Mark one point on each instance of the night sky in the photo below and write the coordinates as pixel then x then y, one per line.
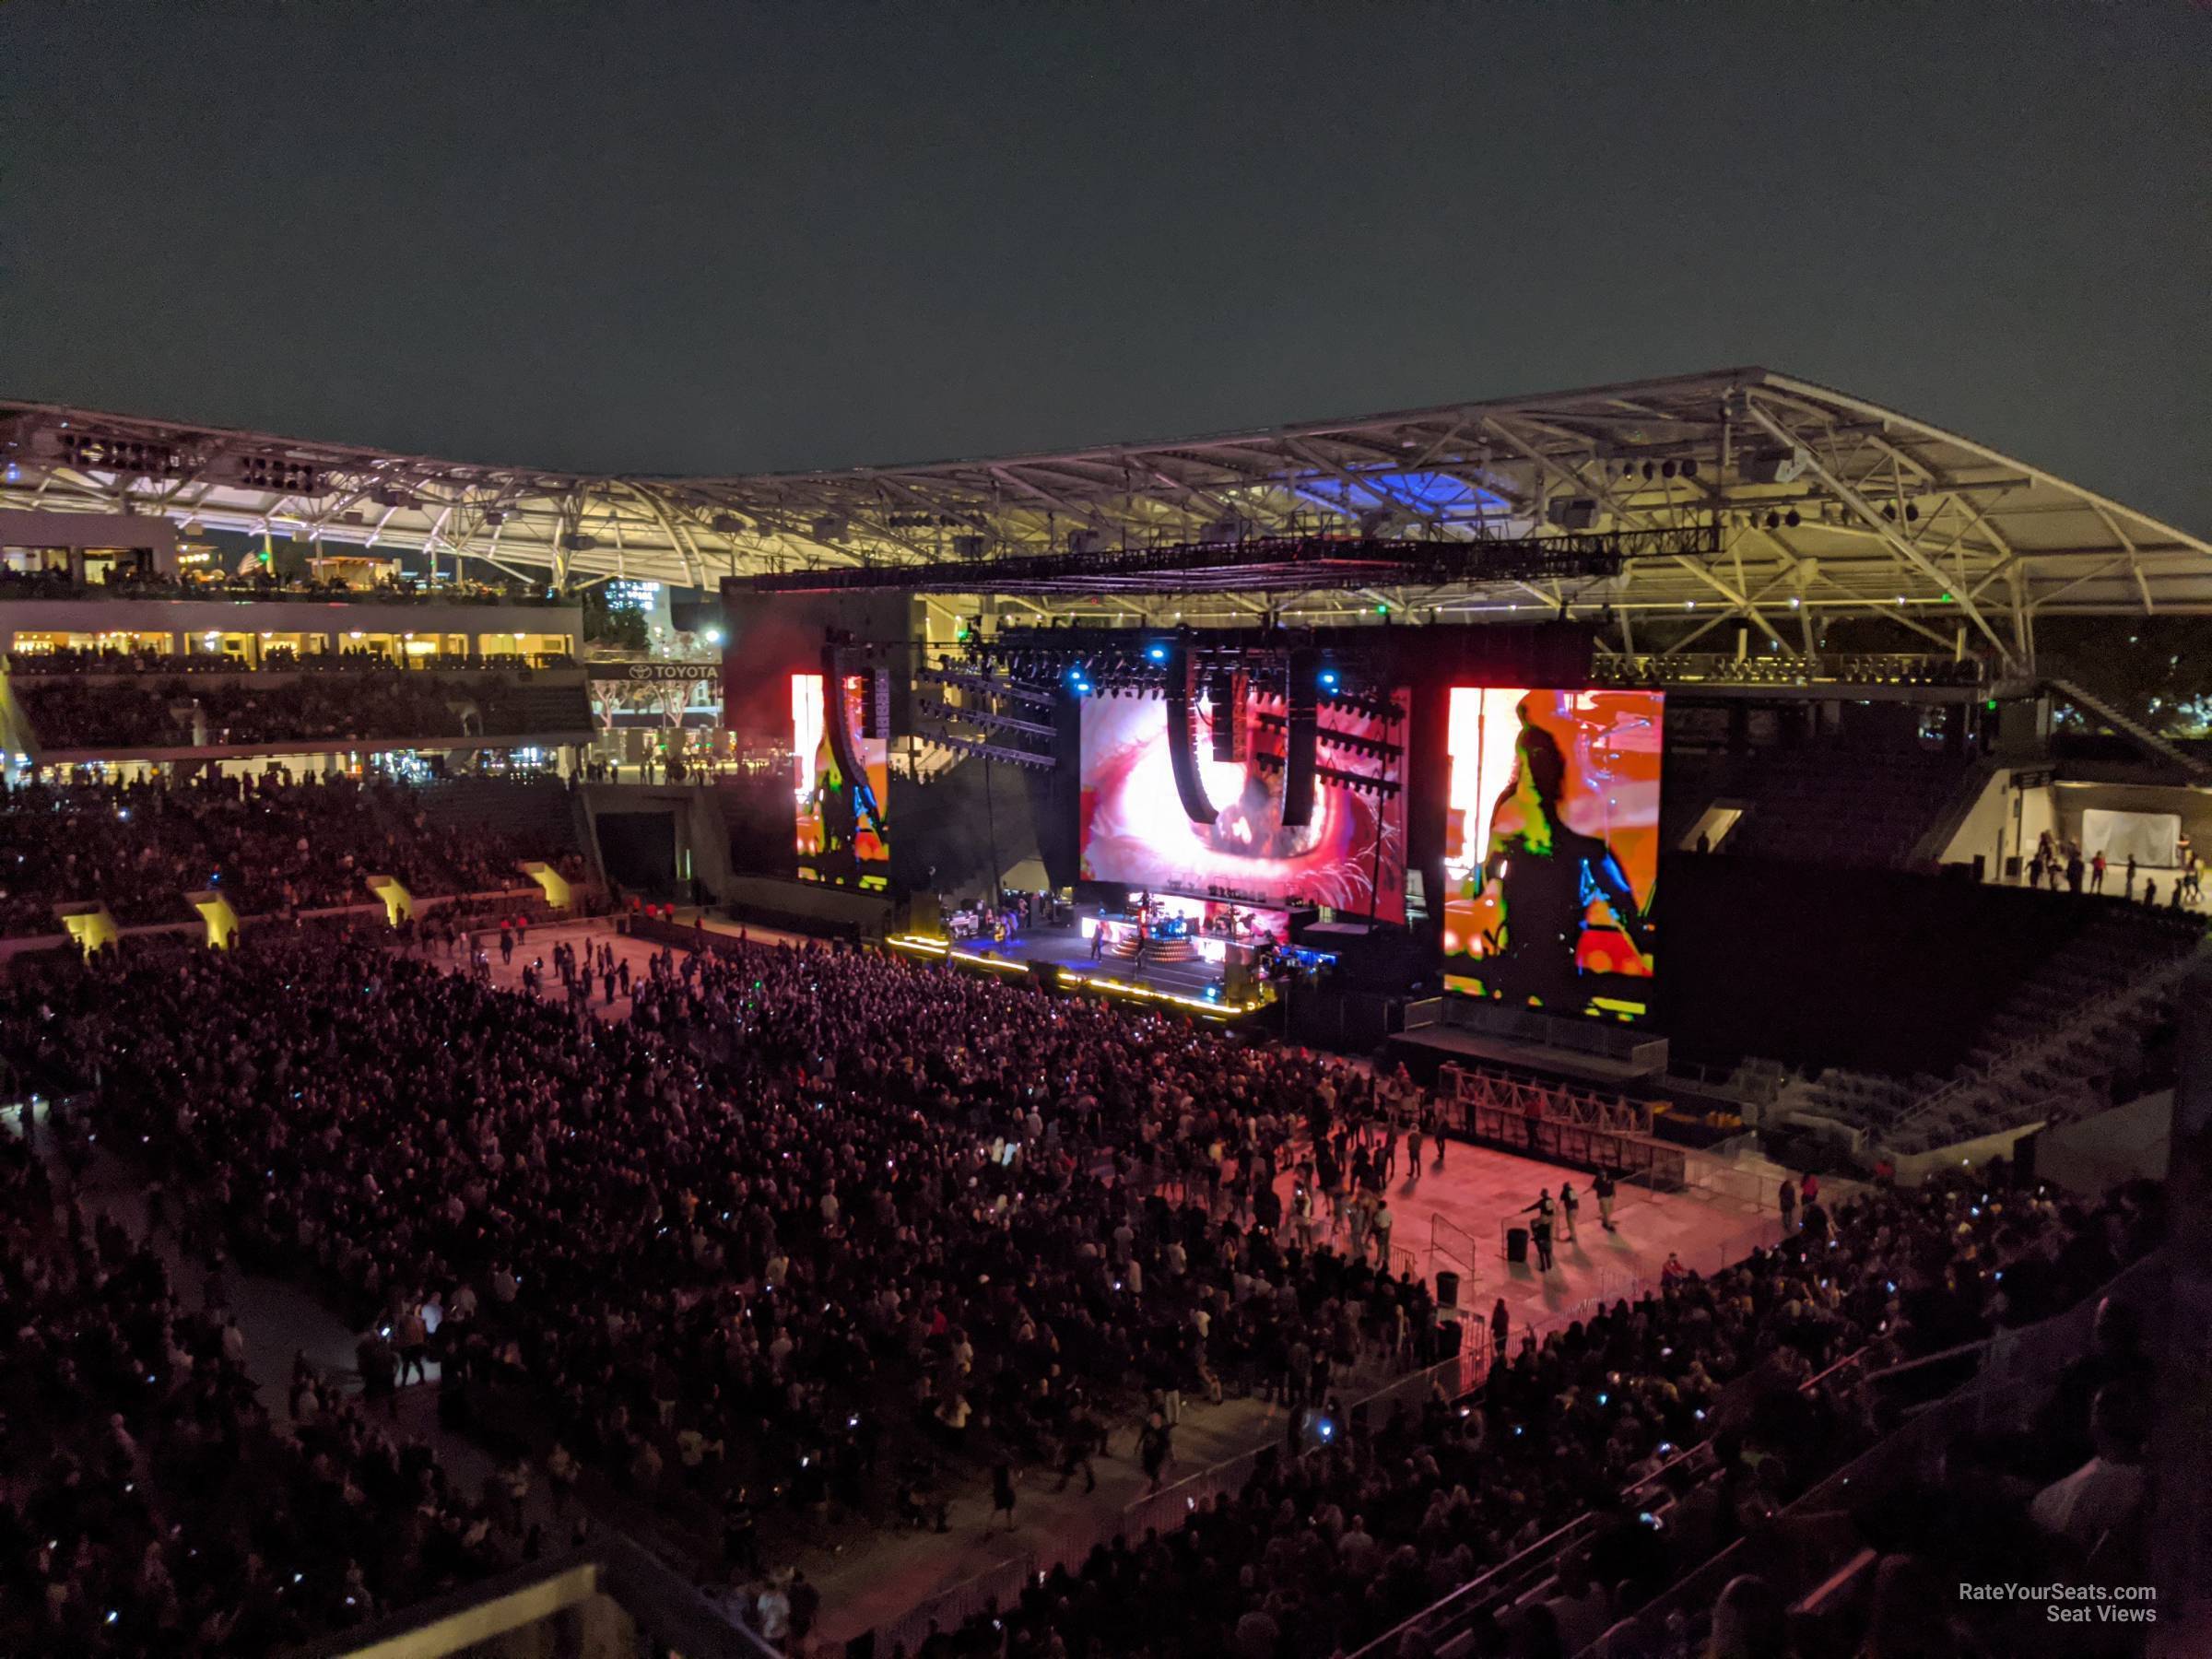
pixel 726 237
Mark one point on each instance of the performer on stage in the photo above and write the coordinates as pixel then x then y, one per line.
pixel 1547 875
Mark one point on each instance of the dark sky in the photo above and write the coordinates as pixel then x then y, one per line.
pixel 726 237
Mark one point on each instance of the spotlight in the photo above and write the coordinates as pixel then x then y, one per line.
pixel 1328 679
pixel 1158 653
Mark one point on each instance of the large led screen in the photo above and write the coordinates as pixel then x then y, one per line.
pixel 841 834
pixel 1350 857
pixel 1551 848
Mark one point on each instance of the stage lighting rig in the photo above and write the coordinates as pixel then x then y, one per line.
pixel 981 683
pixel 997 722
pixel 1371 748
pixel 1333 777
pixel 992 751
pixel 1382 709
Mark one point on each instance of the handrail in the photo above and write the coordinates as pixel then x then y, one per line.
pixel 1959 1352
pixel 664 1605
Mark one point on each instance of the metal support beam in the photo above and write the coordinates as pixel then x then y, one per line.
pixel 1880 527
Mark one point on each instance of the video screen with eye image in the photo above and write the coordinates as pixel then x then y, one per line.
pixel 1551 848
pixel 1350 857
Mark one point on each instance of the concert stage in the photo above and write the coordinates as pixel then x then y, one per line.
pixel 1193 984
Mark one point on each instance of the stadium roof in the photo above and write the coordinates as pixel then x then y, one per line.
pixel 1827 506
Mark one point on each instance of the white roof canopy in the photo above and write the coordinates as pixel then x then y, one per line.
pixel 1828 506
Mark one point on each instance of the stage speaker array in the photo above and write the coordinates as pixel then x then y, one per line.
pixel 1229 691
pixel 1299 740
pixel 1182 754
pixel 844 742
pixel 875 703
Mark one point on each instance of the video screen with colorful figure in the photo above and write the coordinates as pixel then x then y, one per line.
pixel 1350 857
pixel 841 838
pixel 1551 848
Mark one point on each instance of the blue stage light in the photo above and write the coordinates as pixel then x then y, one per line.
pixel 1158 654
pixel 1328 679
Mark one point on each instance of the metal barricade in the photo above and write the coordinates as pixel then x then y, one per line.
pixel 996 1587
pixel 1166 1508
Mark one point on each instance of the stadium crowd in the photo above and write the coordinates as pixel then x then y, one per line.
pixel 68 712
pixel 804 1211
pixel 1322 1553
pixel 148 1501
pixel 270 846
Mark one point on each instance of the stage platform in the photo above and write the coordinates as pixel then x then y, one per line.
pixel 1193 985
pixel 1451 1029
pixel 1435 1045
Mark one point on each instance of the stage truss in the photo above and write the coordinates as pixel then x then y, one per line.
pixel 1551 1101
